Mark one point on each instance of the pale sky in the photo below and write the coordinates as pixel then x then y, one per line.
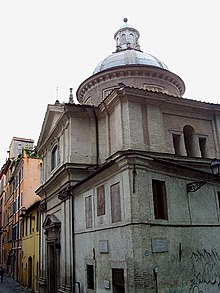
pixel 50 44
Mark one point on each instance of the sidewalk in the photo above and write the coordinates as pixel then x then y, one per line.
pixel 9 285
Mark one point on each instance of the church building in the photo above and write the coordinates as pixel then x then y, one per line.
pixel 129 203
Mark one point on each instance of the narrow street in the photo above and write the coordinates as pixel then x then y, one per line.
pixel 9 285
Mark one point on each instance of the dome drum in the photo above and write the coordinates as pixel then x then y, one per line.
pixel 95 89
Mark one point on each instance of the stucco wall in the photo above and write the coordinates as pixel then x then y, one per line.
pixel 181 247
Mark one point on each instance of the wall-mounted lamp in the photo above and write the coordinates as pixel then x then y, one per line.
pixel 22 212
pixel 156 270
pixel 215 168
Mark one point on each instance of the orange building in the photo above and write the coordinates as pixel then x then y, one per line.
pixel 23 179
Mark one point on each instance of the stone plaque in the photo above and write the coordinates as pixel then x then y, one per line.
pixel 103 246
pixel 159 244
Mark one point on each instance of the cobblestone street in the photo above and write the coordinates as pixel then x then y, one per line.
pixel 9 285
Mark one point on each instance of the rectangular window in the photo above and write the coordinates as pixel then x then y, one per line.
pixel 38 220
pixel 21 229
pixel 160 201
pixel 17 231
pixel 54 157
pixel 202 146
pixel 26 227
pixel 88 211
pixel 90 277
pixel 41 173
pixel 218 199
pixel 21 199
pixel 100 200
pixel 14 207
pixel 14 232
pixel 176 144
pixel 30 226
pixel 23 226
pixel 115 202
pixel 19 202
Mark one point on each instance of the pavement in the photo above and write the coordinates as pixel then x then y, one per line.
pixel 9 285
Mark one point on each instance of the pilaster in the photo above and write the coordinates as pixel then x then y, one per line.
pixel 66 241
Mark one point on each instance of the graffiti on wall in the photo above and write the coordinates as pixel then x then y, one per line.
pixel 205 269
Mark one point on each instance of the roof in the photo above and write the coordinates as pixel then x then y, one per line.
pixel 128 57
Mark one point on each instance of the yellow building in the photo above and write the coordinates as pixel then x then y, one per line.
pixel 30 247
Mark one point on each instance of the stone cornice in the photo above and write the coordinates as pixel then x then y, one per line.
pixel 157 98
pixel 64 171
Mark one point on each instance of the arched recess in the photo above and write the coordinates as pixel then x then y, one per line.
pixel 190 140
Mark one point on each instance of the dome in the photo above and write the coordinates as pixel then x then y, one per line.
pixel 128 57
pixel 128 51
pixel 130 66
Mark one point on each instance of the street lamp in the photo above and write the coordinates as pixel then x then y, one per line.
pixel 215 168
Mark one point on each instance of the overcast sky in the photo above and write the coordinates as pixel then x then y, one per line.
pixel 48 45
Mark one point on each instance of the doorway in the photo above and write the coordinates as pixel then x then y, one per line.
pixel 29 274
pixel 118 281
pixel 51 265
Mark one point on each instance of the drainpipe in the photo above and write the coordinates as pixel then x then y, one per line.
pixel 97 138
pixel 19 194
pixel 73 245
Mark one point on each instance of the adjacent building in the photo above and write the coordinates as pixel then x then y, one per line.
pixel 21 214
pixel 118 210
pixel 3 196
pixel 31 247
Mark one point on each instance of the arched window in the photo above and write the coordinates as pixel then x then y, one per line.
pixel 54 157
pixel 117 41
pixel 123 39
pixel 131 39
pixel 189 138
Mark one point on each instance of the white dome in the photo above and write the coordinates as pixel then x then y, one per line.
pixel 128 57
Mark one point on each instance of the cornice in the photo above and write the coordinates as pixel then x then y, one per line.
pixel 64 171
pixel 127 93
